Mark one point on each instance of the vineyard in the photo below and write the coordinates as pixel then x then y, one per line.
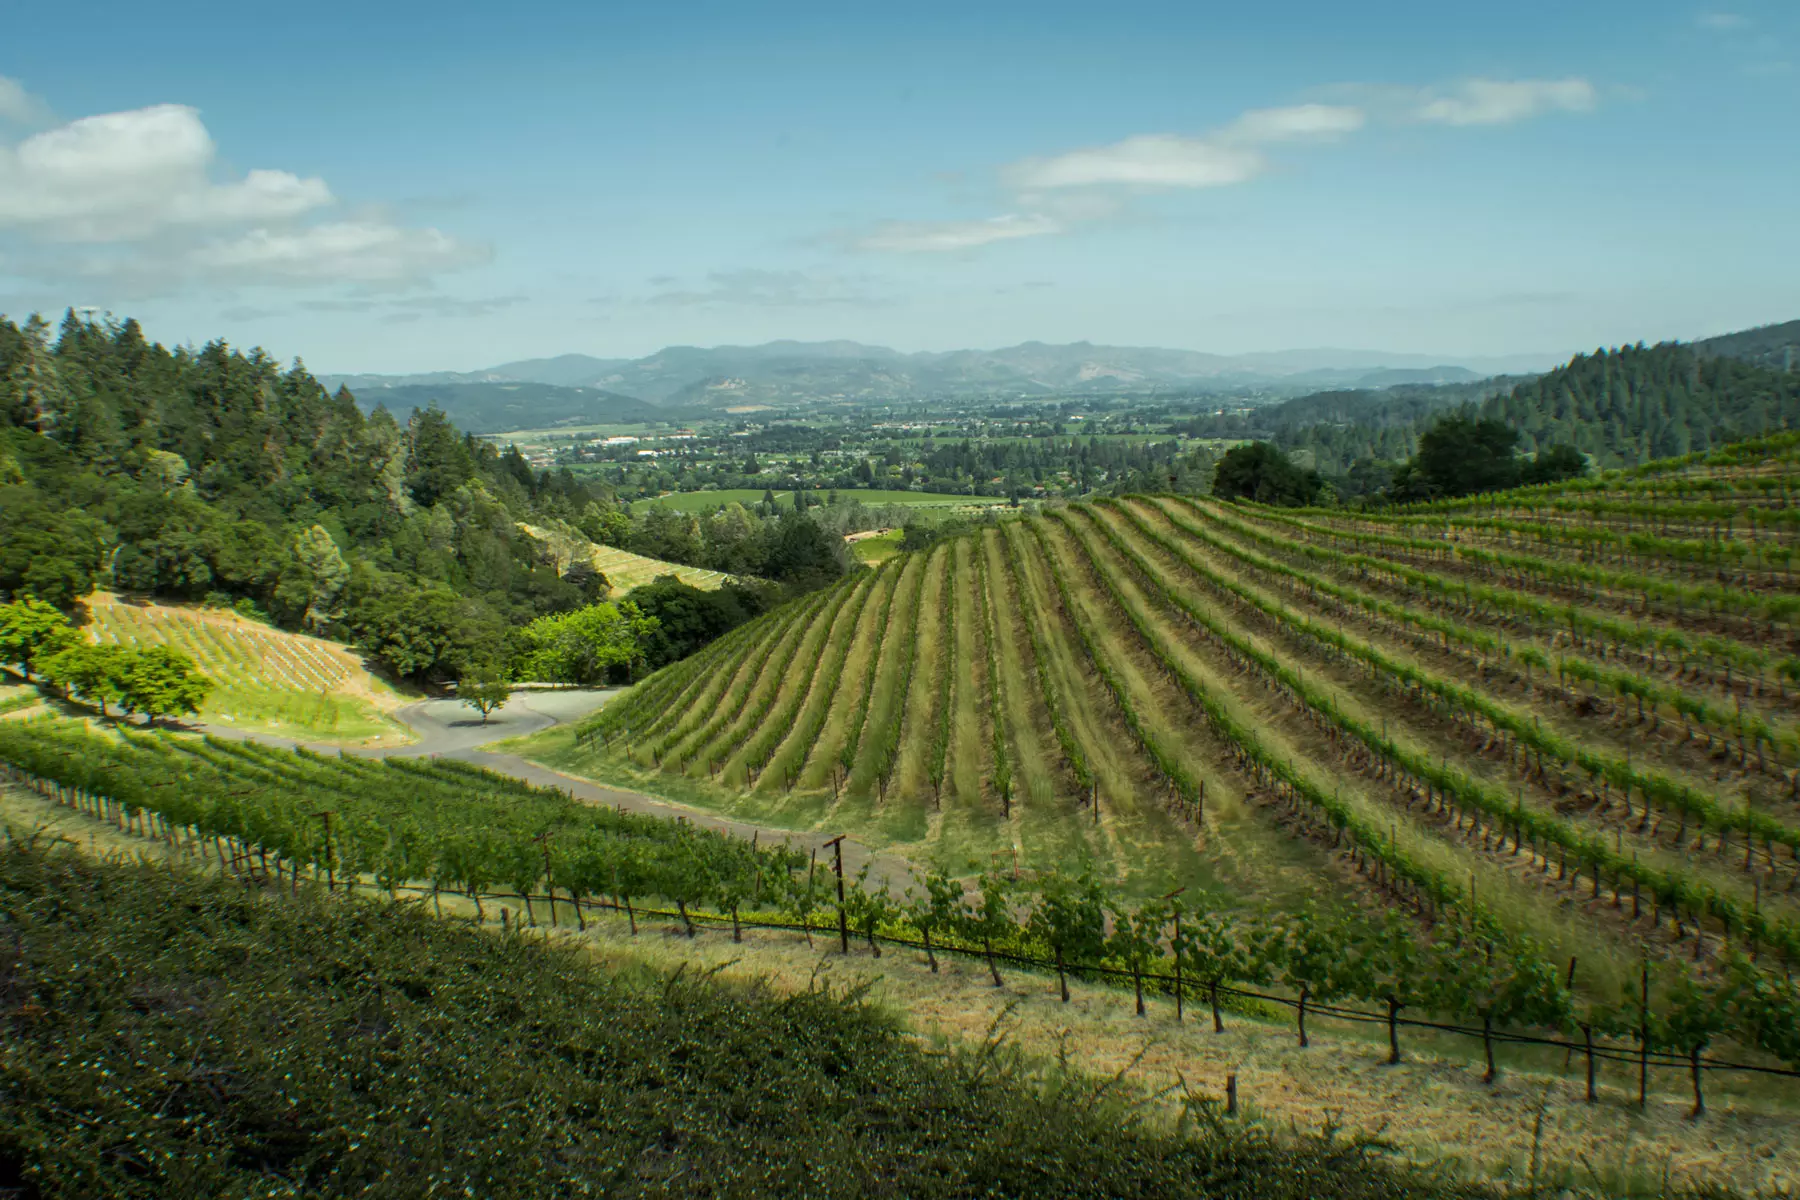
pixel 623 569
pixel 1566 715
pixel 263 678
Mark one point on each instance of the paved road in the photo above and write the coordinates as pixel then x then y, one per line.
pixel 449 729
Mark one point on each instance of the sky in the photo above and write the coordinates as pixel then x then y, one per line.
pixel 410 187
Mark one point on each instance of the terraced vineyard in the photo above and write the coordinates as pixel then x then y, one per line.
pixel 263 678
pixel 1571 711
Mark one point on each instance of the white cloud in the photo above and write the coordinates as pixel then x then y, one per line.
pixel 1218 159
pixel 1724 22
pixel 1146 160
pixel 134 200
pixel 361 252
pixel 939 237
pixel 1502 101
pixel 1057 193
pixel 1294 123
pixel 126 176
pixel 19 106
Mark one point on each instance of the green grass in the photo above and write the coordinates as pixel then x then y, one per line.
pixel 873 551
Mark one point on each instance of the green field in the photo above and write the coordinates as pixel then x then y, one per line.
pixel 703 501
pixel 1541 711
pixel 873 551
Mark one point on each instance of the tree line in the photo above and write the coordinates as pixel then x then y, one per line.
pixel 218 475
pixel 157 681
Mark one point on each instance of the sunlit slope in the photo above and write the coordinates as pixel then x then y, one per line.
pixel 264 679
pixel 1572 709
pixel 623 569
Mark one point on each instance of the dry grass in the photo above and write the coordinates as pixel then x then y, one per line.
pixel 623 569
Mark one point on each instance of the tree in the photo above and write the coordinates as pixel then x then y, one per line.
pixel 422 634
pixel 26 627
pixel 314 579
pixel 1260 472
pixel 587 645
pixel 1461 455
pixel 1559 462
pixel 687 618
pixel 804 554
pixel 592 585
pixel 159 682
pixel 484 687
pixel 915 535
pixel 94 673
pixel 437 461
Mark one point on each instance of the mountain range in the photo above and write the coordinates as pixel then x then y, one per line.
pixel 686 378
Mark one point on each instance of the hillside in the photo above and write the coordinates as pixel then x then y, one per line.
pixel 264 679
pixel 1776 347
pixel 1620 407
pixel 623 569
pixel 240 1043
pixel 1567 712
pixel 493 407
pixel 787 372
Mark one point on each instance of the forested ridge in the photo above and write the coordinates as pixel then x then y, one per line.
pixel 1621 407
pixel 218 475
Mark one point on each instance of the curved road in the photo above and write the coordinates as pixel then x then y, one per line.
pixel 449 729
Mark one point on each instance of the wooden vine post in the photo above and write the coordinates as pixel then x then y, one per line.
pixel 837 847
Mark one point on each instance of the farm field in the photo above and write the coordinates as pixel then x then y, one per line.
pixel 874 548
pixel 704 501
pixel 1585 732
pixel 264 679
pixel 623 569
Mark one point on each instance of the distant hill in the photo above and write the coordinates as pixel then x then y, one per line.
pixel 1774 346
pixel 499 407
pixel 786 372
pixel 1620 407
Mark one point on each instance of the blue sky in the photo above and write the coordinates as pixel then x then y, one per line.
pixel 399 186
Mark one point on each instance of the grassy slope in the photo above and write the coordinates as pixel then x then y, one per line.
pixel 1432 1107
pixel 177 1037
pixel 264 679
pixel 623 569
